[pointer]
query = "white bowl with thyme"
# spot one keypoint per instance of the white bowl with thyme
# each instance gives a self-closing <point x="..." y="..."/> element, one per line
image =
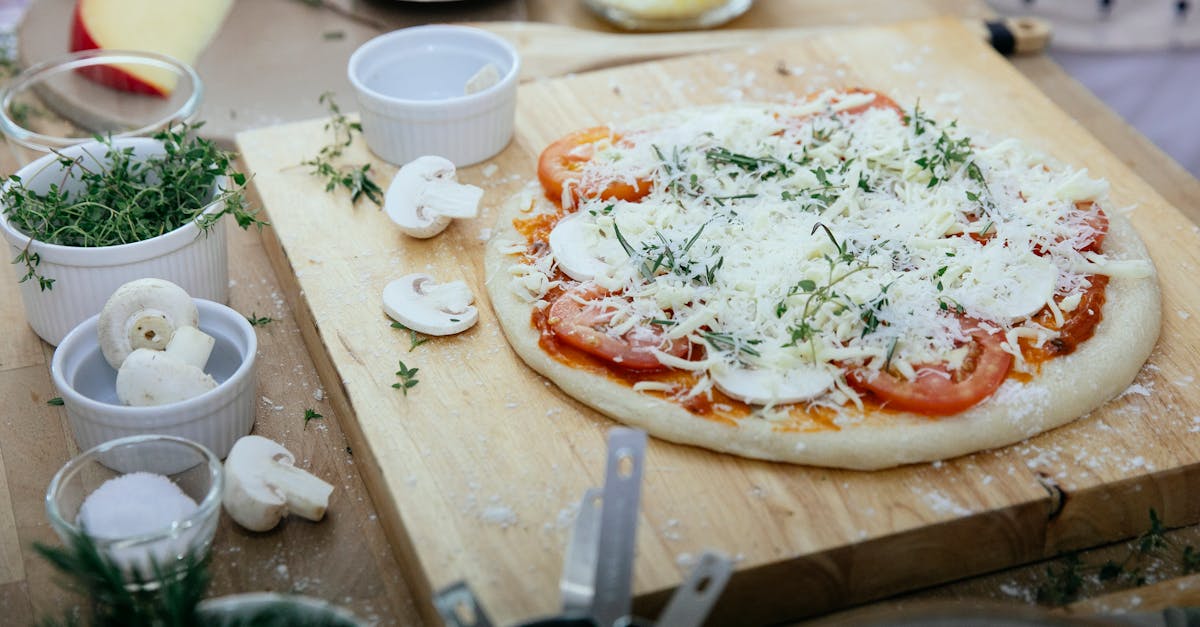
<point x="84" y="221"/>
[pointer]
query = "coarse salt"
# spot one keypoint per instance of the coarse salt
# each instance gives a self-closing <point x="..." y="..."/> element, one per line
<point x="134" y="504"/>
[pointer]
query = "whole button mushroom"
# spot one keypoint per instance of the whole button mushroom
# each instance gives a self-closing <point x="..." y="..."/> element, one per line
<point x="424" y="197"/>
<point x="426" y="306"/>
<point x="143" y="314"/>
<point x="262" y="484"/>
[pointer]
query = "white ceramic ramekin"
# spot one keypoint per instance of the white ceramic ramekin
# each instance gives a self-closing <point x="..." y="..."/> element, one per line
<point x="84" y="278"/>
<point x="216" y="419"/>
<point x="412" y="100"/>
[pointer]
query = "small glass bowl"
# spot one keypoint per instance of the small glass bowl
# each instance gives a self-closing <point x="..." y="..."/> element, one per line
<point x="62" y="101"/>
<point x="645" y="17"/>
<point x="192" y="467"/>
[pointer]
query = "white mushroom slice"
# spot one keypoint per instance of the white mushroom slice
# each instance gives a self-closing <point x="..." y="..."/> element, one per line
<point x="423" y="305"/>
<point x="1009" y="285"/>
<point x="759" y="386"/>
<point x="262" y="484"/>
<point x="424" y="197"/>
<point x="487" y="76"/>
<point x="569" y="245"/>
<point x="143" y="314"/>
<point x="150" y="377"/>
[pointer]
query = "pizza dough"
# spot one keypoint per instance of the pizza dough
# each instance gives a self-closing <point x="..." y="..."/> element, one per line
<point x="1059" y="390"/>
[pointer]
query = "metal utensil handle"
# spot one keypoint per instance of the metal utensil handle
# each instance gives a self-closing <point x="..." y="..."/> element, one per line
<point x="694" y="598"/>
<point x="578" y="582"/>
<point x="458" y="607"/>
<point x="618" y="525"/>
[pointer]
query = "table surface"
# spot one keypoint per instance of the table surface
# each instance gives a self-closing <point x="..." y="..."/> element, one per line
<point x="346" y="558"/>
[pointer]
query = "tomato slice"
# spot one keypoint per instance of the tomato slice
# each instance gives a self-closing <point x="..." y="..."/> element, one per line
<point x="585" y="325"/>
<point x="1078" y="325"/>
<point x="562" y="162"/>
<point x="937" y="391"/>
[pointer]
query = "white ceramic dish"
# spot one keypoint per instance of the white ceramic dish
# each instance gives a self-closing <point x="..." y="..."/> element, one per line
<point x="411" y="93"/>
<point x="192" y="467"/>
<point x="84" y="278"/>
<point x="215" y="419"/>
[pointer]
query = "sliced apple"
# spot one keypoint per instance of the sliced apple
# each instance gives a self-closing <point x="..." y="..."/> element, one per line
<point x="178" y="28"/>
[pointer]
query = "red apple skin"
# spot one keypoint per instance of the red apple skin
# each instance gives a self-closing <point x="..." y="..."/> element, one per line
<point x="106" y="75"/>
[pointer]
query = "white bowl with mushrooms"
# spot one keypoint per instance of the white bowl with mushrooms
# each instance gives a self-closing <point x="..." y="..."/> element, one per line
<point x="157" y="361"/>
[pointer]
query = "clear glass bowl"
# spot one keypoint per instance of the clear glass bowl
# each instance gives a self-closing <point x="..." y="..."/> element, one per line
<point x="192" y="467"/>
<point x="63" y="101"/>
<point x="663" y="15"/>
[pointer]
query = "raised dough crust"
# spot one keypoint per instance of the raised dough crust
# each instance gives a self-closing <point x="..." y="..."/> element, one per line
<point x="1065" y="389"/>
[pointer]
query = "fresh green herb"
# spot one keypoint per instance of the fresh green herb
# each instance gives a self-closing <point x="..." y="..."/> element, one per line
<point x="841" y="266"/>
<point x="311" y="414"/>
<point x="333" y="35"/>
<point x="725" y="341"/>
<point x="1144" y="555"/>
<point x="945" y="303"/>
<point x="870" y="314"/>
<point x="415" y="339"/>
<point x="354" y="179"/>
<point x="1062" y="585"/>
<point x="918" y="120"/>
<point x="256" y="320"/>
<point x="169" y="599"/>
<point x="773" y="167"/>
<point x="57" y="401"/>
<point x="408" y="378"/>
<point x="128" y="200"/>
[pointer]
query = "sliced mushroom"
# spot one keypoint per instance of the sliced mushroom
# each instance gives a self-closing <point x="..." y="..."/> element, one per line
<point x="424" y="197"/>
<point x="568" y="244"/>
<point x="150" y="377"/>
<point x="761" y="386"/>
<point x="262" y="484"/>
<point x="423" y="305"/>
<point x="995" y="286"/>
<point x="143" y="314"/>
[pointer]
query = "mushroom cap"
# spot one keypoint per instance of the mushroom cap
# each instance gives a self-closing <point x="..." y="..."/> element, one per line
<point x="249" y="500"/>
<point x="151" y="377"/>
<point x="401" y="200"/>
<point x="423" y="305"/>
<point x="568" y="245"/>
<point x="143" y="300"/>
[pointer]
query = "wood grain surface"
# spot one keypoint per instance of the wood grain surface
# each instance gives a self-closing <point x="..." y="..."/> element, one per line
<point x="476" y="471"/>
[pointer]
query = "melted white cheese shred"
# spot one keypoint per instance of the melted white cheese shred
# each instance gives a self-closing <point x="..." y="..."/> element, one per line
<point x="799" y="238"/>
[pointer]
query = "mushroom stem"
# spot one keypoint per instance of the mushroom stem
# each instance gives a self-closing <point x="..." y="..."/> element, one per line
<point x="151" y="330"/>
<point x="191" y="346"/>
<point x="304" y="494"/>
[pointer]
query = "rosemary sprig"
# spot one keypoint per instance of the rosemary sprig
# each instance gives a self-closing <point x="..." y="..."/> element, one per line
<point x="128" y="200"/>
<point x="408" y="378"/>
<point x="172" y="601"/>
<point x="354" y="179"/>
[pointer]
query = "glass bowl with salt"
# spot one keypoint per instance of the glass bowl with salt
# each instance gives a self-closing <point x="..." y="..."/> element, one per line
<point x="147" y="502"/>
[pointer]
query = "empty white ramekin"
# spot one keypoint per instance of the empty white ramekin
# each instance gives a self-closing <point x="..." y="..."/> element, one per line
<point x="216" y="419"/>
<point x="84" y="278"/>
<point x="411" y="93"/>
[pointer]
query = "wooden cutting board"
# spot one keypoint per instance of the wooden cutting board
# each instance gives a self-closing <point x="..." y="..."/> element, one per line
<point x="478" y="469"/>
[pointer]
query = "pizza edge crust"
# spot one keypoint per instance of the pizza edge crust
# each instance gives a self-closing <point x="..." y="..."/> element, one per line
<point x="1065" y="389"/>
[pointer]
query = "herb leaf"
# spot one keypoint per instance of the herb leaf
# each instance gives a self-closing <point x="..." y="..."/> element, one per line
<point x="311" y="414"/>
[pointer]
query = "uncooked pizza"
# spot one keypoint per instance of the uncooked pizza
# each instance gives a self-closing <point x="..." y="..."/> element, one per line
<point x="840" y="282"/>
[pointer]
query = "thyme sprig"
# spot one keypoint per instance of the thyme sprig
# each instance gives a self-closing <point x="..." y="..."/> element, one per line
<point x="408" y="378"/>
<point x="129" y="198"/>
<point x="311" y="414"/>
<point x="824" y="294"/>
<point x="415" y="339"/>
<point x="1066" y="580"/>
<point x="356" y="180"/>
